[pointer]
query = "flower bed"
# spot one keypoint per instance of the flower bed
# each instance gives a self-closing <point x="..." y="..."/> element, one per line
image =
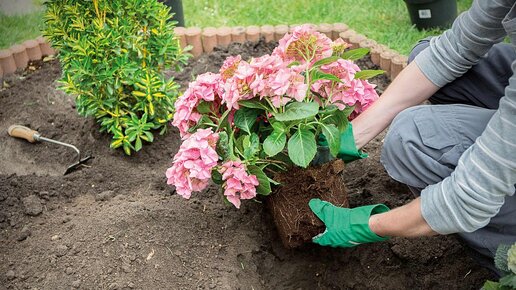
<point x="116" y="224"/>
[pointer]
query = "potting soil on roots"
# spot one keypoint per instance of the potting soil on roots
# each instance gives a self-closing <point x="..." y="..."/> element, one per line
<point x="115" y="224"/>
<point x="288" y="202"/>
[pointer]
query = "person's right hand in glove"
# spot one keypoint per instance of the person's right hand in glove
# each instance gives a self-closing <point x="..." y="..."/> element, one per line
<point x="345" y="227"/>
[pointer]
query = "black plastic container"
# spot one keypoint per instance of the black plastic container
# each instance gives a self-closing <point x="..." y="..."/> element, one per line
<point x="427" y="14"/>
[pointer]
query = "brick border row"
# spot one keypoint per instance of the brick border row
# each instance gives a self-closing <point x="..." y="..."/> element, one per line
<point x="17" y="57"/>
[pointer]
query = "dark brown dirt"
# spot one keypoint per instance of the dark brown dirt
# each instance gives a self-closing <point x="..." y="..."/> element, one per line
<point x="288" y="202"/>
<point x="117" y="225"/>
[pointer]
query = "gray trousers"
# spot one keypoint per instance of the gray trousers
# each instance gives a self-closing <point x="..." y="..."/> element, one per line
<point x="424" y="143"/>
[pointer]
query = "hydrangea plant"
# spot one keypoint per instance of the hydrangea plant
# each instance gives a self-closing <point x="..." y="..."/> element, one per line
<point x="256" y="117"/>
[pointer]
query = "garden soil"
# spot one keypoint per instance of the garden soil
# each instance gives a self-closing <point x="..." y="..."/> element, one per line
<point x="116" y="224"/>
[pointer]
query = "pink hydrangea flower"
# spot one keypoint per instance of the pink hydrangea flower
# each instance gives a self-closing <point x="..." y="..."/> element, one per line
<point x="339" y="46"/>
<point x="237" y="87"/>
<point x="192" y="165"/>
<point x="350" y="91"/>
<point x="344" y="69"/>
<point x="206" y="87"/>
<point x="238" y="183"/>
<point x="292" y="47"/>
<point x="285" y="85"/>
<point x="364" y="93"/>
<point x="229" y="66"/>
<point x="264" y="68"/>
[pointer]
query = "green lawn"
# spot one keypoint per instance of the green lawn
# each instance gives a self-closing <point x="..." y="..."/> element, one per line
<point x="17" y="28"/>
<point x="384" y="21"/>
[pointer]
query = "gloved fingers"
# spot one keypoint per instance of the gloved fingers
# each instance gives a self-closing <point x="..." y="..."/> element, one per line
<point x="325" y="239"/>
<point x="321" y="208"/>
<point x="317" y="239"/>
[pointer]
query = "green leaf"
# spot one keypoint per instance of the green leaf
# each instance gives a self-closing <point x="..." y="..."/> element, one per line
<point x="138" y="144"/>
<point x="204" y="107"/>
<point x="224" y="123"/>
<point x="245" y="118"/>
<point x="355" y="54"/>
<point x="491" y="285"/>
<point x="293" y="64"/>
<point x="216" y="177"/>
<point x="332" y="134"/>
<point x="509" y="281"/>
<point x="275" y="142"/>
<point x="302" y="147"/>
<point x="319" y="75"/>
<point x="324" y="61"/>
<point x="223" y="148"/>
<point x="298" y="111"/>
<point x="254" y="104"/>
<point x="239" y="144"/>
<point x="251" y="145"/>
<point x="340" y="118"/>
<point x="328" y="110"/>
<point x="367" y="74"/>
<point x="264" y="188"/>
<point x="127" y="148"/>
<point x="348" y="110"/>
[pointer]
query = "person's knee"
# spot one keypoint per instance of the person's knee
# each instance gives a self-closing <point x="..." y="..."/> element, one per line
<point x="397" y="143"/>
<point x="419" y="47"/>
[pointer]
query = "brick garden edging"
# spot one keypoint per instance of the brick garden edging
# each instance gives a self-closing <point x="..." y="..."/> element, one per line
<point x="17" y="57"/>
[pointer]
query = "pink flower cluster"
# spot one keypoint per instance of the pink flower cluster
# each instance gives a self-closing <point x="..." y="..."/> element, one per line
<point x="206" y="87"/>
<point x="348" y="92"/>
<point x="304" y="45"/>
<point x="192" y="165"/>
<point x="238" y="183"/>
<point x="267" y="77"/>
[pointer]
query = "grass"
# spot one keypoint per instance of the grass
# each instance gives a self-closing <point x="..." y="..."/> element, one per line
<point x="18" y="28"/>
<point x="384" y="21"/>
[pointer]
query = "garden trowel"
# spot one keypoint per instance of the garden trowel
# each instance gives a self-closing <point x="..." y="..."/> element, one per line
<point x="33" y="136"/>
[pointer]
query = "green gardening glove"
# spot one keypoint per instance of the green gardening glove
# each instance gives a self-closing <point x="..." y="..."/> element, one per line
<point x="345" y="227"/>
<point x="348" y="150"/>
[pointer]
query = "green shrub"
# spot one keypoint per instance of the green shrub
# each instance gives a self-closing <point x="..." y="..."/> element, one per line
<point x="113" y="54"/>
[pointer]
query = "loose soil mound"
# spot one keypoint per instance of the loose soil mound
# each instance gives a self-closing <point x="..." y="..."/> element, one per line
<point x="117" y="225"/>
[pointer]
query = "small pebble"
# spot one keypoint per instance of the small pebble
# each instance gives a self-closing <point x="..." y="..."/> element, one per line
<point x="33" y="205"/>
<point x="10" y="275"/>
<point x="55" y="237"/>
<point x="76" y="283"/>
<point x="61" y="250"/>
<point x="69" y="271"/>
<point x="126" y="268"/>
<point x="24" y="234"/>
<point x="105" y="195"/>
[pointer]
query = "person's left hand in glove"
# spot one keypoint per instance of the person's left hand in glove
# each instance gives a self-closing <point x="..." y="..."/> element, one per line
<point x="345" y="227"/>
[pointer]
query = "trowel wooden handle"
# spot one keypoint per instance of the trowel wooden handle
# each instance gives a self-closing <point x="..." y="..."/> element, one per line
<point x="23" y="132"/>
